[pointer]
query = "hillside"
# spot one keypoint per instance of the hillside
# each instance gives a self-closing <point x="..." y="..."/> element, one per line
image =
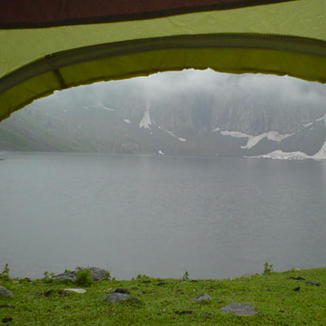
<point x="190" y="113"/>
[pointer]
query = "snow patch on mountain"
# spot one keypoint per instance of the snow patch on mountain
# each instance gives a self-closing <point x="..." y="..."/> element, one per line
<point x="321" y="155"/>
<point x="254" y="140"/>
<point x="271" y="135"/>
<point x="146" y="122"/>
<point x="100" y="105"/>
<point x="237" y="134"/>
<point x="306" y="125"/>
<point x="171" y="133"/>
<point x="280" y="155"/>
<point x="321" y="118"/>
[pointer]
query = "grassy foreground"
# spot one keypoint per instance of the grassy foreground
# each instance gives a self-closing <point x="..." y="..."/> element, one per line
<point x="169" y="302"/>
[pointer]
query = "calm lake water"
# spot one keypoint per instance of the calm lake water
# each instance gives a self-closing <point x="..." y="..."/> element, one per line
<point x="161" y="216"/>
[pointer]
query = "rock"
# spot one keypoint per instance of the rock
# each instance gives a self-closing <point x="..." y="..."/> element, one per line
<point x="202" y="297"/>
<point x="7" y="306"/>
<point x="297" y="278"/>
<point x="161" y="284"/>
<point x="75" y="290"/>
<point x="99" y="274"/>
<point x="5" y="292"/>
<point x="117" y="297"/>
<point x="66" y="276"/>
<point x="7" y="319"/>
<point x="314" y="283"/>
<point x="241" y="309"/>
<point x="119" y="290"/>
<point x="183" y="312"/>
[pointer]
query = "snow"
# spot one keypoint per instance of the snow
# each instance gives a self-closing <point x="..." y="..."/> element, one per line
<point x="321" y="155"/>
<point x="127" y="121"/>
<point x="271" y="135"/>
<point x="306" y="125"/>
<point x="280" y="155"/>
<point x="254" y="140"/>
<point x="100" y="105"/>
<point x="216" y="129"/>
<point x="160" y="152"/>
<point x="146" y="122"/>
<point x="171" y="133"/>
<point x="236" y="134"/>
<point x="322" y="118"/>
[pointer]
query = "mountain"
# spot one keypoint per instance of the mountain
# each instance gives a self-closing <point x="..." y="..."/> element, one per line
<point x="197" y="113"/>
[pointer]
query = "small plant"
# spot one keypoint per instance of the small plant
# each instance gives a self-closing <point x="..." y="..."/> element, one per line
<point x="185" y="276"/>
<point x="48" y="277"/>
<point x="108" y="275"/>
<point x="268" y="268"/>
<point x="4" y="275"/>
<point x="142" y="277"/>
<point x="84" y="277"/>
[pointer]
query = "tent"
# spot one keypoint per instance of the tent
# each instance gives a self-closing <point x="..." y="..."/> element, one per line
<point x="53" y="45"/>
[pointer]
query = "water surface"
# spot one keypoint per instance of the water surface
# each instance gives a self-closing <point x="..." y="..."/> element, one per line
<point x="214" y="217"/>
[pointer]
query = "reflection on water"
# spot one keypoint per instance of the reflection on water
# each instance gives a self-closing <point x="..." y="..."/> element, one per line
<point x="214" y="217"/>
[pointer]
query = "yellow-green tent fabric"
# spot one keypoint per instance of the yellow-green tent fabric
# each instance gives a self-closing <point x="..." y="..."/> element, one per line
<point x="277" y="37"/>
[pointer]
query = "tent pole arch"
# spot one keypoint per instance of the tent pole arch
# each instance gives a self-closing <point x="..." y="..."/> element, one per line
<point x="275" y="37"/>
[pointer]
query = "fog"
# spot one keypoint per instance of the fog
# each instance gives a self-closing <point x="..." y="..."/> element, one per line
<point x="229" y="87"/>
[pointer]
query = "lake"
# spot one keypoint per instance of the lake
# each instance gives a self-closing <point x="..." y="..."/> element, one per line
<point x="160" y="216"/>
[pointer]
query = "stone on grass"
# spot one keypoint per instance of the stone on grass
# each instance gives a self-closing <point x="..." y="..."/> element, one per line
<point x="7" y="306"/>
<point x="75" y="290"/>
<point x="313" y="283"/>
<point x="184" y="312"/>
<point x="117" y="297"/>
<point x="240" y="309"/>
<point x="5" y="292"/>
<point x="296" y="278"/>
<point x="120" y="290"/>
<point x="66" y="276"/>
<point x="202" y="297"/>
<point x="99" y="274"/>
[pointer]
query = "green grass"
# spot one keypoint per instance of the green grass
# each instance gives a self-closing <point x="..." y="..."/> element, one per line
<point x="272" y="295"/>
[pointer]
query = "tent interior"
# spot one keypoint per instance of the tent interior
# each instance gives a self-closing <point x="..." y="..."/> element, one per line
<point x="55" y="46"/>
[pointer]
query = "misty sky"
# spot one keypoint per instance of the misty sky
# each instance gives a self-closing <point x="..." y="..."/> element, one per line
<point x="230" y="87"/>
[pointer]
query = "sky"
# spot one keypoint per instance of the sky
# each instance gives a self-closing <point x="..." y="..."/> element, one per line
<point x="230" y="87"/>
